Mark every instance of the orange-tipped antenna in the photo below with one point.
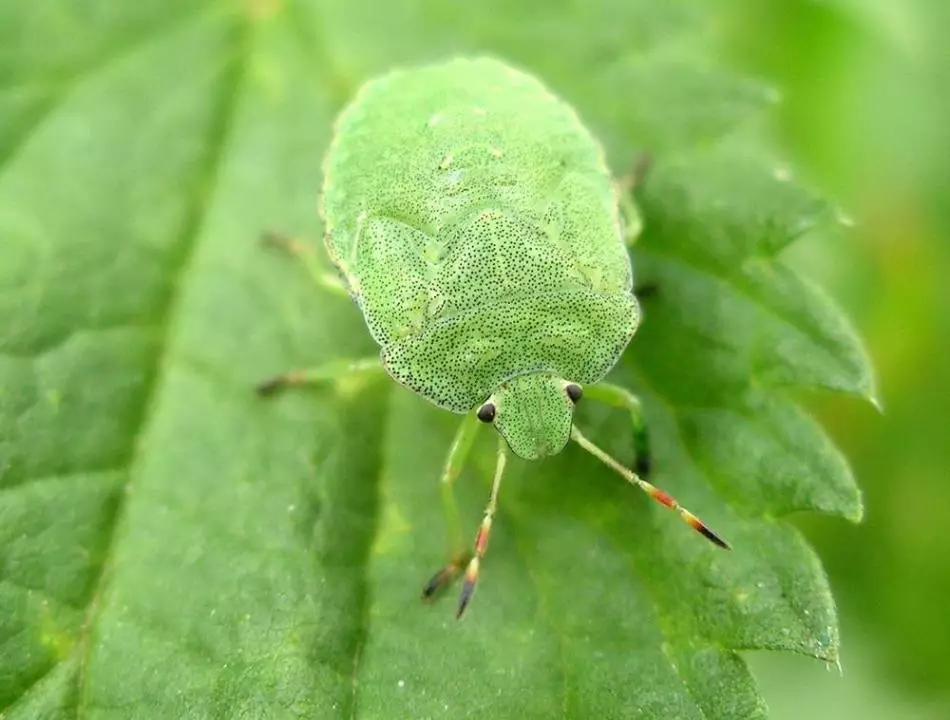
(661, 496)
(481, 538)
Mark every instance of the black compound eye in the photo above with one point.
(486, 413)
(574, 391)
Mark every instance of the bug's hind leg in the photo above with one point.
(332, 371)
(307, 256)
(459, 556)
(619, 397)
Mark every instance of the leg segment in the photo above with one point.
(308, 258)
(632, 222)
(646, 290)
(458, 555)
(481, 538)
(656, 493)
(619, 397)
(330, 372)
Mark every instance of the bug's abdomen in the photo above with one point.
(431, 147)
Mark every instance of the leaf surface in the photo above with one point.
(171, 546)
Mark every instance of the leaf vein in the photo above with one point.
(819, 341)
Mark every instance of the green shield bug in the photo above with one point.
(471, 217)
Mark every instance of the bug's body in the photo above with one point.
(472, 218)
(482, 239)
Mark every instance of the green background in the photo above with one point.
(169, 546)
(866, 102)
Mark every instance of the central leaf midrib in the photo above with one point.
(222, 117)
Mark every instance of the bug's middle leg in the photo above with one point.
(459, 557)
(322, 374)
(620, 397)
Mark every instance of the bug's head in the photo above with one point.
(534, 413)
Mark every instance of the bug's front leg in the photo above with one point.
(308, 258)
(329, 372)
(619, 397)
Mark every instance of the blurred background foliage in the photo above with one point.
(866, 116)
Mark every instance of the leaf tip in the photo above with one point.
(855, 512)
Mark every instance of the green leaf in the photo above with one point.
(171, 546)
